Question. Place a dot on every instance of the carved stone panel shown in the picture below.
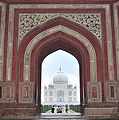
(112, 91)
(7, 92)
(28, 21)
(94, 92)
(26, 92)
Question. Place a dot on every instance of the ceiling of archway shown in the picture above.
(91, 21)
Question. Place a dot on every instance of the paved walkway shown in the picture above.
(58, 116)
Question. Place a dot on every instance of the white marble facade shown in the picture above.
(60, 92)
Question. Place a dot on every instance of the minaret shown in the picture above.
(60, 69)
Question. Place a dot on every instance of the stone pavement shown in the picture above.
(58, 116)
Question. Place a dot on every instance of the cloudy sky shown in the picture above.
(52, 64)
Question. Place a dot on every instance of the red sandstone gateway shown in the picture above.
(31, 30)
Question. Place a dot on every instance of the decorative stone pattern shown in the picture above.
(107, 29)
(2, 34)
(2, 92)
(118, 45)
(26, 92)
(91, 21)
(36, 39)
(116, 18)
(110, 95)
(7, 92)
(94, 92)
(118, 91)
(94, 96)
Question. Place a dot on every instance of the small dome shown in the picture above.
(60, 77)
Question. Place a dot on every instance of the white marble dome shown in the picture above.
(60, 92)
(60, 77)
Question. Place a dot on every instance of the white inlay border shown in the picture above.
(116, 20)
(2, 33)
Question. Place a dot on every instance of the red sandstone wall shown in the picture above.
(98, 48)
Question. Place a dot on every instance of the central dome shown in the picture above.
(60, 77)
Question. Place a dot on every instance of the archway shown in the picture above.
(54, 35)
(60, 75)
(61, 44)
(60, 96)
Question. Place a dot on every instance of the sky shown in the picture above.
(53, 62)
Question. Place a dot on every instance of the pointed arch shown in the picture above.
(71, 33)
(60, 33)
(59, 24)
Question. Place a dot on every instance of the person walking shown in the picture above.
(52, 109)
(66, 110)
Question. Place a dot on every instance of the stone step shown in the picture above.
(57, 117)
(61, 116)
(34, 118)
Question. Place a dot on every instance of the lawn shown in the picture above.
(71, 111)
(49, 111)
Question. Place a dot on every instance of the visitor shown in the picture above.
(59, 109)
(52, 109)
(66, 110)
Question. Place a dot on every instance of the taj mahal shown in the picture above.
(60, 92)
